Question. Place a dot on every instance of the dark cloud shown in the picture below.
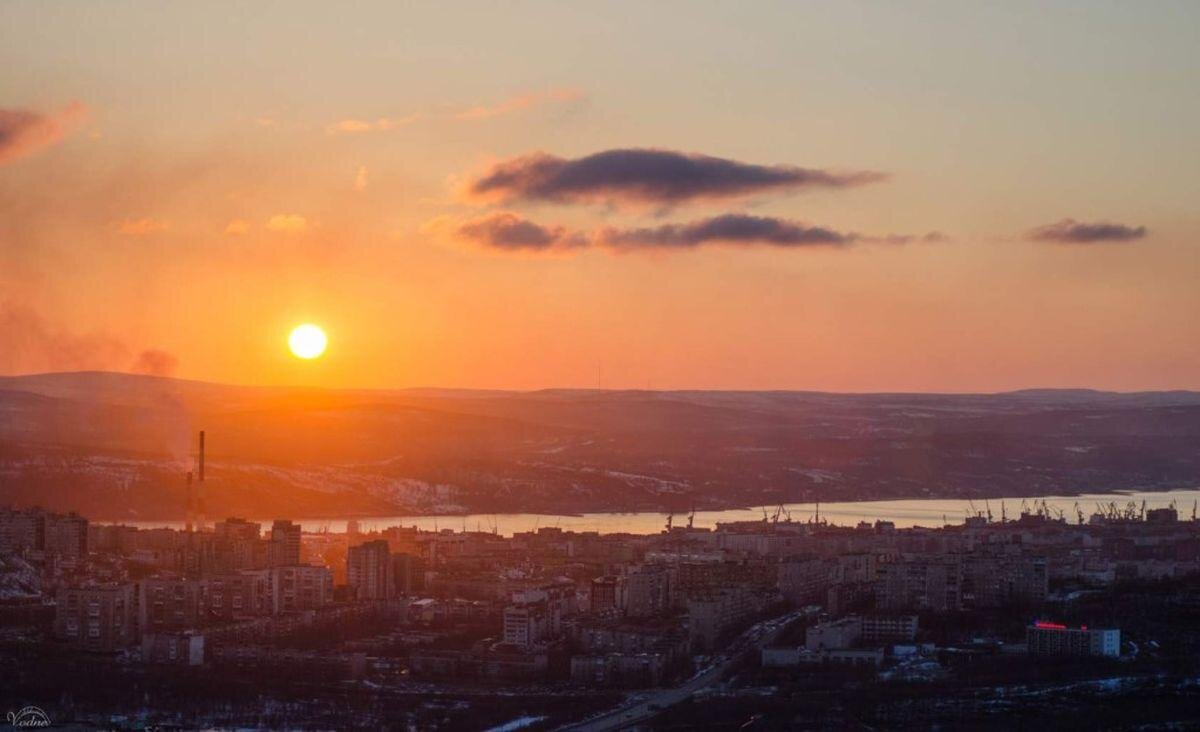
(155, 363)
(647, 176)
(24, 132)
(31, 344)
(931, 237)
(508, 231)
(1070, 231)
(739, 229)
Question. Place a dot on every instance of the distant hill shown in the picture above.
(118, 446)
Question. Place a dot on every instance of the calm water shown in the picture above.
(911, 512)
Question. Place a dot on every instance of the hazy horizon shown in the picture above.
(430, 387)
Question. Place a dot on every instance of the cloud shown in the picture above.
(648, 176)
(237, 227)
(932, 237)
(361, 178)
(728, 229)
(33, 345)
(24, 132)
(352, 126)
(519, 103)
(140, 227)
(154, 362)
(1070, 231)
(509, 232)
(288, 223)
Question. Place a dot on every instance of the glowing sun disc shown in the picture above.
(307, 341)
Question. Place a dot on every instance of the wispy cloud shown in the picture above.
(352, 126)
(361, 178)
(24, 132)
(288, 223)
(519, 103)
(647, 176)
(140, 227)
(511, 105)
(237, 227)
(1070, 231)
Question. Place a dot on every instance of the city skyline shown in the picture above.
(848, 198)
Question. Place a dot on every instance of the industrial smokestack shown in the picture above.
(189, 505)
(201, 471)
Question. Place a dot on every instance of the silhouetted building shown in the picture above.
(236, 595)
(63, 536)
(300, 587)
(647, 591)
(185, 648)
(925, 582)
(284, 544)
(603, 594)
(995, 580)
(408, 574)
(526, 624)
(1053, 639)
(169, 603)
(95, 617)
(369, 570)
(889, 628)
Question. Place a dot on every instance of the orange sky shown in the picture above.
(194, 180)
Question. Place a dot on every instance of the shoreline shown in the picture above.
(659, 511)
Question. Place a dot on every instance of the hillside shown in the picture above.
(118, 446)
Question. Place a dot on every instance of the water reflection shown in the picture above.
(905, 513)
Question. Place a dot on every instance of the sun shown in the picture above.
(307, 341)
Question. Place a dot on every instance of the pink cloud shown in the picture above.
(352, 126)
(24, 132)
(140, 227)
(288, 223)
(519, 103)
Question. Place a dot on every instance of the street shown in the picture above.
(643, 708)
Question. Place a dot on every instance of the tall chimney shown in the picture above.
(201, 456)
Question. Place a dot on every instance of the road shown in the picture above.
(643, 708)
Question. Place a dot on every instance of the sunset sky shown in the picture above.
(845, 196)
